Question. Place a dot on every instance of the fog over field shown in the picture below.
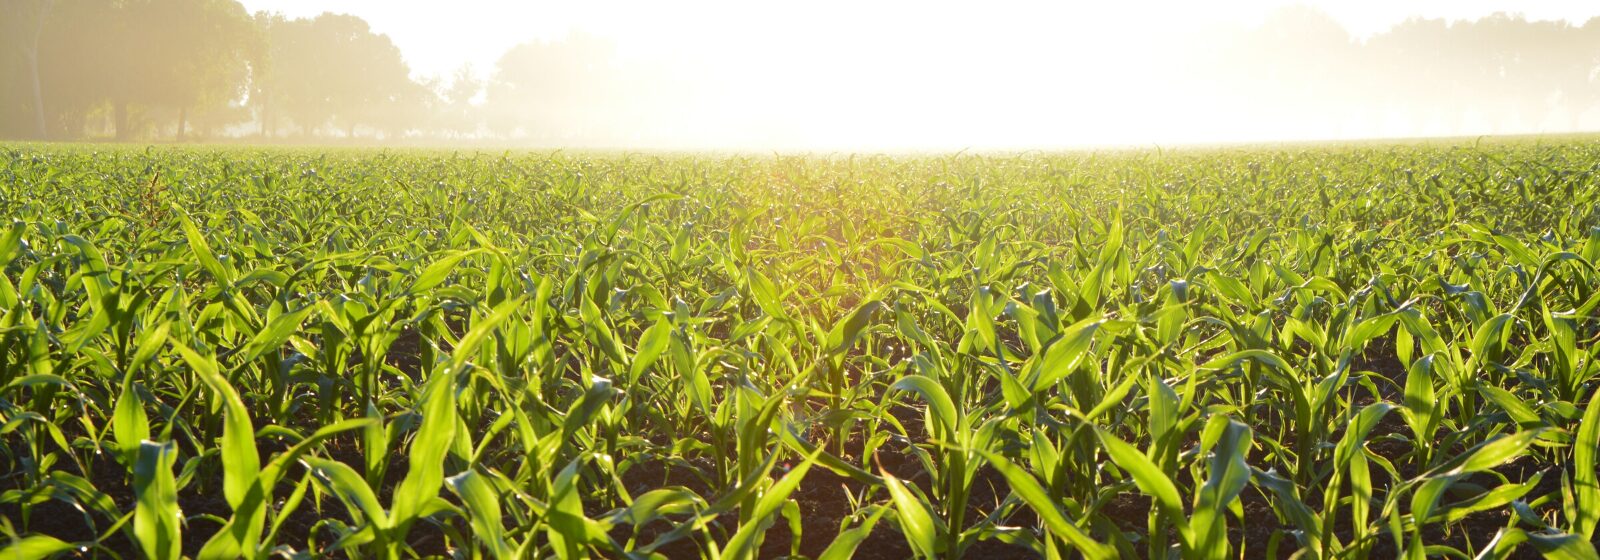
(818, 76)
(823, 280)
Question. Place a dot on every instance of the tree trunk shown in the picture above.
(183, 121)
(32, 56)
(121, 110)
(265, 114)
(38, 94)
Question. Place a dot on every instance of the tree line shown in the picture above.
(1509, 73)
(151, 69)
(208, 69)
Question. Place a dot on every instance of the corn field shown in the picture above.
(1362, 351)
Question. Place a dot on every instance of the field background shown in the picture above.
(1365, 350)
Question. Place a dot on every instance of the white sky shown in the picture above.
(438, 37)
(843, 74)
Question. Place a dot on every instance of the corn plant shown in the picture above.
(1332, 352)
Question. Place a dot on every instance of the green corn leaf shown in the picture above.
(1146, 475)
(1228, 477)
(1427, 496)
(1486, 341)
(569, 529)
(941, 409)
(1518, 410)
(1486, 456)
(156, 523)
(1495, 453)
(35, 547)
(746, 539)
(1585, 471)
(652, 344)
(483, 503)
(129, 424)
(1024, 486)
(435, 273)
(349, 484)
(827, 460)
(11, 243)
(845, 544)
(1064, 355)
(1113, 397)
(150, 342)
(240, 460)
(1496, 498)
(915, 521)
(425, 476)
(1420, 397)
(468, 346)
(766, 294)
(844, 333)
(1563, 546)
(240, 534)
(39, 359)
(202, 250)
(272, 337)
(659, 503)
(1356, 434)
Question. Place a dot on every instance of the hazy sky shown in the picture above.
(438, 37)
(838, 74)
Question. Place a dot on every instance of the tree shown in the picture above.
(263, 87)
(80, 62)
(23, 24)
(1302, 64)
(333, 69)
(1580, 87)
(458, 114)
(565, 90)
(190, 54)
